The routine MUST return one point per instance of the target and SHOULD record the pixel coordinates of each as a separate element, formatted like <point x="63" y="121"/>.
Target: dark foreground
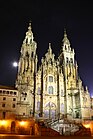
<point x="5" y="136"/>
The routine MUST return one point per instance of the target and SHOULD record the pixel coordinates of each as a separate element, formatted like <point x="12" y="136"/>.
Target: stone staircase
<point x="46" y="130"/>
<point x="63" y="127"/>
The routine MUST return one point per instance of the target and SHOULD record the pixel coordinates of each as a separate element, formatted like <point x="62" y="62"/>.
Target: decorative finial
<point x="86" y="88"/>
<point x="29" y="28"/>
<point x="42" y="60"/>
<point x="30" y="23"/>
<point x="49" y="45"/>
<point x="65" y="34"/>
<point x="50" y="50"/>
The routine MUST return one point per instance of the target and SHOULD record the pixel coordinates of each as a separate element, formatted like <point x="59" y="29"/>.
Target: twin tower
<point x="54" y="89"/>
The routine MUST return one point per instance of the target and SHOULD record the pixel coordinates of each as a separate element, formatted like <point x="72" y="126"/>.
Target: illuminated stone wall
<point x="8" y="102"/>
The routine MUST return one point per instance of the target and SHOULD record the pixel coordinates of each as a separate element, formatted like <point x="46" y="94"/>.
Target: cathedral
<point x="53" y="89"/>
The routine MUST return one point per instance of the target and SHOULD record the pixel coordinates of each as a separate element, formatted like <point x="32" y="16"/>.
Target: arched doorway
<point x="50" y="110"/>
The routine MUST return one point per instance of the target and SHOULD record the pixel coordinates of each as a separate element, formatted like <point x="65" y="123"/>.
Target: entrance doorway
<point x="13" y="125"/>
<point x="50" y="110"/>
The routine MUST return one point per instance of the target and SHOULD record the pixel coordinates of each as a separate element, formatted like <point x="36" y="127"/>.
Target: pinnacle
<point x="29" y="27"/>
<point x="65" y="34"/>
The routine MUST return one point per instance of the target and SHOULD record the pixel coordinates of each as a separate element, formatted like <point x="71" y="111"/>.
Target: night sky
<point x="49" y="18"/>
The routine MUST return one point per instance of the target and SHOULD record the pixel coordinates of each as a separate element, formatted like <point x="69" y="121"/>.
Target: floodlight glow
<point x="3" y="122"/>
<point x="22" y="123"/>
<point x="86" y="125"/>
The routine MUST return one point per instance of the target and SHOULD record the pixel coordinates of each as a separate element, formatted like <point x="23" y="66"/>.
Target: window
<point x="71" y="60"/>
<point x="27" y="40"/>
<point x="11" y="92"/>
<point x="4" y="98"/>
<point x="14" y="99"/>
<point x="65" y="47"/>
<point x="38" y="91"/>
<point x="46" y="113"/>
<point x="4" y="114"/>
<point x="13" y="106"/>
<point x="77" y="114"/>
<point x="66" y="59"/>
<point x="24" y="98"/>
<point x="50" y="90"/>
<point x="0" y="91"/>
<point x="3" y="105"/>
<point x="7" y="92"/>
<point x="62" y="107"/>
<point x="23" y="113"/>
<point x="31" y="112"/>
<point x="32" y="54"/>
<point x="14" y="93"/>
<point x="27" y="55"/>
<point x="62" y="93"/>
<point x="38" y="105"/>
<point x="4" y="92"/>
<point x="30" y="41"/>
<point x="50" y="79"/>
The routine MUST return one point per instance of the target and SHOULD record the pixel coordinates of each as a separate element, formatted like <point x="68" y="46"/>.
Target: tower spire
<point x="65" y="39"/>
<point x="49" y="45"/>
<point x="29" y="35"/>
<point x="50" y="49"/>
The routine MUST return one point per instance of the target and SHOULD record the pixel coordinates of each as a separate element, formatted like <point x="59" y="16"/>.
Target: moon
<point x="15" y="64"/>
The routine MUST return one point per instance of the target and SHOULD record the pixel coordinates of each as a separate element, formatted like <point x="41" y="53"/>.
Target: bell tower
<point x="70" y="73"/>
<point x="67" y="61"/>
<point x="27" y="69"/>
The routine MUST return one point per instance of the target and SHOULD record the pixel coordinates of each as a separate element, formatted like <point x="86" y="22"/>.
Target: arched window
<point x="50" y="78"/>
<point x="26" y="40"/>
<point x="65" y="47"/>
<point x="38" y="105"/>
<point x="62" y="93"/>
<point x="27" y="54"/>
<point x="30" y="41"/>
<point x="71" y="60"/>
<point x="38" y="91"/>
<point x="66" y="59"/>
<point x="32" y="54"/>
<point x="62" y="107"/>
<point x="50" y="90"/>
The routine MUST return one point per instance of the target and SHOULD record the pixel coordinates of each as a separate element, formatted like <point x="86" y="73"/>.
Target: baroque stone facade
<point x="54" y="90"/>
<point x="8" y="102"/>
